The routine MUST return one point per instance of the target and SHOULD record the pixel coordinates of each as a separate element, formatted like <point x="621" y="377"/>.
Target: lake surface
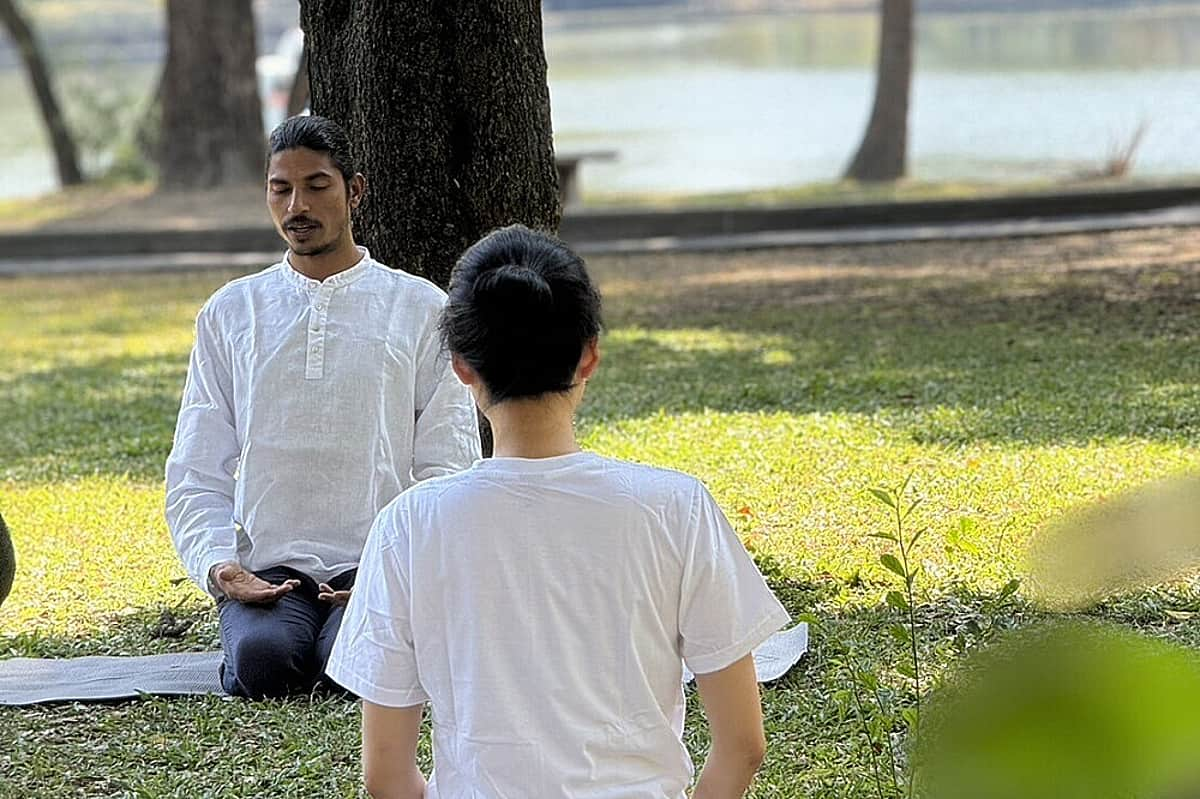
<point x="741" y="104"/>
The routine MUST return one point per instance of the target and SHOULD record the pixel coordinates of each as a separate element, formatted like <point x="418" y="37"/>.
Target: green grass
<point x="1014" y="381"/>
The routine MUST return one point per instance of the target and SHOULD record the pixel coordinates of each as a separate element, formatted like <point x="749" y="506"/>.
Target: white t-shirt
<point x="543" y="607"/>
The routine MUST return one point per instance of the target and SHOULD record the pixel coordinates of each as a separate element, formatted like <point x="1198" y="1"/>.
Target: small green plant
<point x="872" y="705"/>
<point x="907" y="570"/>
<point x="877" y="709"/>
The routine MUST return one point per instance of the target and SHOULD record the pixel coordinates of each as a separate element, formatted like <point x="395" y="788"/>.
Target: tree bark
<point x="299" y="96"/>
<point x="66" y="154"/>
<point x="883" y="154"/>
<point x="448" y="110"/>
<point x="212" y="130"/>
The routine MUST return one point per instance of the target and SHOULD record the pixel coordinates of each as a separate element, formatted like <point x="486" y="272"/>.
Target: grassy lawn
<point x="1014" y="380"/>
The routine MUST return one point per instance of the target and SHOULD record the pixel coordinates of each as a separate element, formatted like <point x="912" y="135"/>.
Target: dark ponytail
<point x="520" y="311"/>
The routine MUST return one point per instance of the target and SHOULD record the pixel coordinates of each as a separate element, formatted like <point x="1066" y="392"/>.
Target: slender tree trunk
<point x="212" y="131"/>
<point x="883" y="154"/>
<point x="447" y="106"/>
<point x="66" y="154"/>
<point x="300" y="94"/>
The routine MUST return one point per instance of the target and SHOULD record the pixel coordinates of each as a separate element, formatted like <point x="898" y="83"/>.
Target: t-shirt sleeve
<point x="726" y="608"/>
<point x="374" y="656"/>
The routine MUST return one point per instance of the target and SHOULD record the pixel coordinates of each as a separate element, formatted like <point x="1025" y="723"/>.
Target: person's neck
<point x="532" y="429"/>
<point x="326" y="264"/>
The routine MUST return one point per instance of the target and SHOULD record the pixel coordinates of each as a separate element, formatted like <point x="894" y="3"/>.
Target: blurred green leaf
<point x="1067" y="711"/>
<point x="1131" y="541"/>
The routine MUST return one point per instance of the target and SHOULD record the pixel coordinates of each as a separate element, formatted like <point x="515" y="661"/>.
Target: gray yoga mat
<point x="32" y="681"/>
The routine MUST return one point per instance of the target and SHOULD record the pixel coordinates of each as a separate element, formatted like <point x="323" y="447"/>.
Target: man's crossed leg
<point x="280" y="649"/>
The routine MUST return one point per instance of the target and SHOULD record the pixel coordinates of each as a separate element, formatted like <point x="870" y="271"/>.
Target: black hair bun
<point x="512" y="288"/>
<point x="520" y="309"/>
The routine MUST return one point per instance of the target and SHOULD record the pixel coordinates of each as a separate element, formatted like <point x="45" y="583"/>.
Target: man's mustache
<point x="301" y="221"/>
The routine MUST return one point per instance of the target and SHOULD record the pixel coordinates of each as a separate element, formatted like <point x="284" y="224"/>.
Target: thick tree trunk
<point x="447" y="106"/>
<point x="883" y="154"/>
<point x="212" y="133"/>
<point x="299" y="95"/>
<point x="66" y="154"/>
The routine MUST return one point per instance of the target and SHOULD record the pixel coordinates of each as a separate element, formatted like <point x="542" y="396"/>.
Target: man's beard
<point x="318" y="249"/>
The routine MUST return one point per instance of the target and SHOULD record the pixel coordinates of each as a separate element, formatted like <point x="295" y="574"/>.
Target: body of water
<point x="742" y="104"/>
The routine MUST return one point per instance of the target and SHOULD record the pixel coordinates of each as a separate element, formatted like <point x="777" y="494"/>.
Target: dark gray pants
<point x="280" y="649"/>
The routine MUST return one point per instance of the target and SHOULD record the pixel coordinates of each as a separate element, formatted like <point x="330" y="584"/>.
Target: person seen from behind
<point x="543" y="601"/>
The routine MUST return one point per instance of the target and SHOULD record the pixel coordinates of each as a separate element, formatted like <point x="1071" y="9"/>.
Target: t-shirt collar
<point x="343" y="278"/>
<point x="530" y="465"/>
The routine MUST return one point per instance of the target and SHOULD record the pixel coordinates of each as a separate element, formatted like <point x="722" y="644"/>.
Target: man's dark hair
<point x="520" y="311"/>
<point x="315" y="133"/>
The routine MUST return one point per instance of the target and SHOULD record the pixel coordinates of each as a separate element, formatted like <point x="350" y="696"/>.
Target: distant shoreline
<point x="136" y="36"/>
<point x="694" y="11"/>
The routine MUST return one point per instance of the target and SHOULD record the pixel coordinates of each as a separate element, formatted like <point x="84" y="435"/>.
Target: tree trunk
<point x="448" y="111"/>
<point x="66" y="154"/>
<point x="299" y="95"/>
<point x="883" y="154"/>
<point x="212" y="130"/>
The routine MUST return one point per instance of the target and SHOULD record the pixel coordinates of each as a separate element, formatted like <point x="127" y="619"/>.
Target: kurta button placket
<point x="314" y="368"/>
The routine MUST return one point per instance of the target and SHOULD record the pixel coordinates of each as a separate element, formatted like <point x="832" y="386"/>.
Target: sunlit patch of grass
<point x="795" y="486"/>
<point x="89" y="550"/>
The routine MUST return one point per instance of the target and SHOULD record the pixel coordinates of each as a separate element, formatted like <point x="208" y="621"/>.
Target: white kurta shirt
<point x="309" y="405"/>
<point x="544" y="609"/>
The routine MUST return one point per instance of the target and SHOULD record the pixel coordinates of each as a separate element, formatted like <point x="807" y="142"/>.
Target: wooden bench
<point x="567" y="165"/>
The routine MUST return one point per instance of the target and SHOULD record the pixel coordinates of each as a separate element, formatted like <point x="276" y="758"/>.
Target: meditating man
<point x="315" y="394"/>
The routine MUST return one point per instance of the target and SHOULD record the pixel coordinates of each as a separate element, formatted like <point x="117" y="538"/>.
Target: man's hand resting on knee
<point x="245" y="586"/>
<point x="333" y="597"/>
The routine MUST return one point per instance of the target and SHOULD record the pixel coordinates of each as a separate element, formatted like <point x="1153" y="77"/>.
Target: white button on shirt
<point x="309" y="405"/>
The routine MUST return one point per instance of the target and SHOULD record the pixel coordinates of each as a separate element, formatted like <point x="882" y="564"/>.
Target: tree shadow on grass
<point x="1107" y="355"/>
<point x="947" y="356"/>
<point x="115" y="415"/>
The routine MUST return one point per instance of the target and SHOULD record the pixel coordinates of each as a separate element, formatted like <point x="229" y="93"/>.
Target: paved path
<point x="1184" y="216"/>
